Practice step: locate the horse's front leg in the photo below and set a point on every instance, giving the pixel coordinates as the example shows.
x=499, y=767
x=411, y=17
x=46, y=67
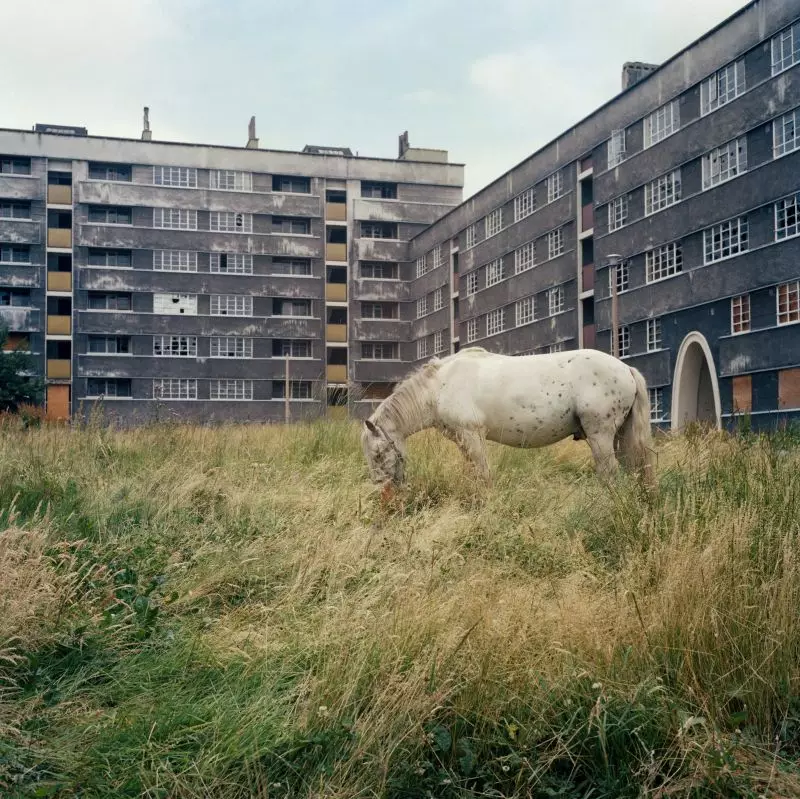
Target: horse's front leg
x=473, y=448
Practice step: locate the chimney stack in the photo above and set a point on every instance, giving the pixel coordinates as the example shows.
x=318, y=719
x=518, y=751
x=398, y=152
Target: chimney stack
x=147, y=134
x=252, y=141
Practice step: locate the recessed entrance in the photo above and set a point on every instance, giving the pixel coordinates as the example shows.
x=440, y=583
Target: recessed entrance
x=695, y=391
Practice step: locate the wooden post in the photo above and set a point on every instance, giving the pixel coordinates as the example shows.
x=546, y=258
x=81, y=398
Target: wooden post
x=286, y=393
x=614, y=261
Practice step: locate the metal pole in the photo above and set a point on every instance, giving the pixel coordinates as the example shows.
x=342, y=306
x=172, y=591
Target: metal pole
x=614, y=261
x=286, y=410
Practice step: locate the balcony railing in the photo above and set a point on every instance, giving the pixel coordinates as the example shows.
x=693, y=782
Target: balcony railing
x=59, y=368
x=59, y=281
x=59, y=195
x=336, y=373
x=336, y=212
x=336, y=292
x=336, y=333
x=335, y=252
x=59, y=237
x=59, y=325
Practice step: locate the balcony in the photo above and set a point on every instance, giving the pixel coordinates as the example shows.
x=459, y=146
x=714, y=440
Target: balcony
x=336, y=373
x=59, y=237
x=59, y=195
x=335, y=252
x=59, y=325
x=59, y=281
x=336, y=292
x=59, y=369
x=20, y=319
x=336, y=212
x=587, y=277
x=336, y=333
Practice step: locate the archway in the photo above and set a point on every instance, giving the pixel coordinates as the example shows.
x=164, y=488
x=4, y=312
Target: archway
x=695, y=390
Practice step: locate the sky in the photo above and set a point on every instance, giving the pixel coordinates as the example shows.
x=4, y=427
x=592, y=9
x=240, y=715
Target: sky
x=488, y=81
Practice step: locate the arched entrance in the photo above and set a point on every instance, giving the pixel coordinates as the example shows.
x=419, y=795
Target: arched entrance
x=695, y=390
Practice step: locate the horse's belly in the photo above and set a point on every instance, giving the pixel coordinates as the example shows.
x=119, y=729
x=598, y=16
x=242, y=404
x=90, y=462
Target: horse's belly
x=525, y=430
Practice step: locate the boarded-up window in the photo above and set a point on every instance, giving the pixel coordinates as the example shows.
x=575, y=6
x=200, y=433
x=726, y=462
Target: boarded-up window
x=789, y=388
x=742, y=394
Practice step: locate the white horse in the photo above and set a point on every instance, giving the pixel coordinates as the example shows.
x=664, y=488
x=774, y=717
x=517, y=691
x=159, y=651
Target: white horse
x=527, y=401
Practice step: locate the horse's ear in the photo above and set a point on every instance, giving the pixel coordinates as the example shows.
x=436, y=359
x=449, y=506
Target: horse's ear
x=371, y=427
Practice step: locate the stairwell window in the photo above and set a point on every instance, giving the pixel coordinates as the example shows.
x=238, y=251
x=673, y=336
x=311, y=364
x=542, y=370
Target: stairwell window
x=661, y=123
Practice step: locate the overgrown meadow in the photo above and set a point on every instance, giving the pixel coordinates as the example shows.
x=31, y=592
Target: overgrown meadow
x=231, y=612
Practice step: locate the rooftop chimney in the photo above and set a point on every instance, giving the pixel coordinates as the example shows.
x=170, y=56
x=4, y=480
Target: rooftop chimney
x=634, y=71
x=147, y=134
x=252, y=141
x=403, y=144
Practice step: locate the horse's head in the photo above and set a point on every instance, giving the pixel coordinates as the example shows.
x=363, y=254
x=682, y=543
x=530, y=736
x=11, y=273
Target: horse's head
x=385, y=457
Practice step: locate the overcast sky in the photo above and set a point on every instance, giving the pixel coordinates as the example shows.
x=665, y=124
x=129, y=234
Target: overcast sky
x=488, y=81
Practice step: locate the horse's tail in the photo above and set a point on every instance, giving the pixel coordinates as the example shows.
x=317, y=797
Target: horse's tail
x=635, y=437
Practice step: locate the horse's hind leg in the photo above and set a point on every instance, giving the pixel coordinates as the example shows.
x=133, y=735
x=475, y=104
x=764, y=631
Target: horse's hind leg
x=601, y=444
x=473, y=449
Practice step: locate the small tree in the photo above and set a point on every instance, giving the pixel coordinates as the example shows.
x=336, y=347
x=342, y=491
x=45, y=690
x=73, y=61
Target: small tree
x=16, y=388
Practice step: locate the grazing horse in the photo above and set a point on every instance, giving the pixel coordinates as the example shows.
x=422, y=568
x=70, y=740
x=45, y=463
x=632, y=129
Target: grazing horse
x=521, y=401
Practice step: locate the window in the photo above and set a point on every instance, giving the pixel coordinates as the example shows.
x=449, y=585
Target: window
x=555, y=186
x=175, y=304
x=98, y=257
x=231, y=222
x=291, y=308
x=557, y=347
x=175, y=346
x=616, y=148
x=15, y=210
x=291, y=348
x=298, y=389
x=725, y=240
x=231, y=305
x=472, y=330
x=524, y=204
x=623, y=341
x=118, y=172
x=231, y=347
x=725, y=162
x=379, y=350
x=15, y=166
x=109, y=345
x=661, y=123
x=787, y=221
x=555, y=243
x=436, y=257
x=380, y=310
x=378, y=191
x=175, y=218
x=378, y=230
x=231, y=263
x=19, y=299
x=174, y=261
x=438, y=299
x=786, y=48
x=789, y=303
x=623, y=276
x=555, y=300
x=291, y=266
x=494, y=222
x=109, y=301
x=173, y=388
x=380, y=271
x=472, y=283
x=524, y=311
x=662, y=192
x=786, y=133
x=656, y=398
x=524, y=258
x=663, y=261
x=180, y=176
x=108, y=387
x=722, y=87
x=231, y=390
x=494, y=272
x=109, y=215
x=422, y=307
x=653, y=335
x=740, y=314
x=495, y=322
x=438, y=342
x=229, y=180
x=293, y=185
x=421, y=266
x=422, y=347
x=472, y=236
x=15, y=254
x=617, y=213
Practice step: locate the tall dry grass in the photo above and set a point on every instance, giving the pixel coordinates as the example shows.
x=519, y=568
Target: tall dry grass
x=198, y=612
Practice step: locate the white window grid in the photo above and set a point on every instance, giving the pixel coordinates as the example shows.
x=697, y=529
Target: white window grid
x=616, y=148
x=175, y=388
x=524, y=204
x=422, y=347
x=785, y=48
x=181, y=176
x=725, y=162
x=231, y=389
x=291, y=266
x=438, y=300
x=472, y=330
x=725, y=240
x=438, y=342
x=472, y=283
x=472, y=236
x=422, y=307
x=494, y=272
x=623, y=272
x=663, y=261
x=231, y=347
x=175, y=346
x=740, y=314
x=231, y=305
x=654, y=339
x=787, y=217
x=555, y=186
x=230, y=180
x=421, y=266
x=661, y=123
x=230, y=222
x=786, y=133
x=662, y=192
x=723, y=86
x=656, y=398
x=294, y=308
x=436, y=256
x=495, y=322
x=175, y=304
x=372, y=310
x=617, y=212
x=231, y=263
x=175, y=218
x=379, y=350
x=174, y=261
x=788, y=296
x=524, y=311
x=555, y=300
x=295, y=348
x=623, y=341
x=494, y=222
x=557, y=347
x=524, y=258
x=555, y=243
